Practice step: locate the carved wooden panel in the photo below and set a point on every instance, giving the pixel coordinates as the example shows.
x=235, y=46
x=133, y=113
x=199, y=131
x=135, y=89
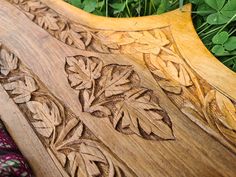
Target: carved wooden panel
x=110, y=101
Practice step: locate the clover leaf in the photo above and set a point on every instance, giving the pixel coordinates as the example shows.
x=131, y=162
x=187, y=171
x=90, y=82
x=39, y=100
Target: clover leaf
x=218, y=50
x=215, y=4
x=230, y=44
x=220, y=38
x=223, y=12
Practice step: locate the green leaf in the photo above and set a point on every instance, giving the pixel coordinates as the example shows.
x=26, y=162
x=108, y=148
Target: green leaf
x=217, y=19
x=204, y=9
x=197, y=2
x=90, y=5
x=162, y=7
x=77, y=3
x=218, y=50
x=119, y=7
x=220, y=38
x=230, y=44
x=229, y=10
x=215, y=4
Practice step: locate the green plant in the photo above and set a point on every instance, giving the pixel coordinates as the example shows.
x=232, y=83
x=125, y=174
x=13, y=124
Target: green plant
x=214, y=20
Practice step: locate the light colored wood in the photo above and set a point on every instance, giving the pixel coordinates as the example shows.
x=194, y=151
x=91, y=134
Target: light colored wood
x=109, y=99
x=27, y=141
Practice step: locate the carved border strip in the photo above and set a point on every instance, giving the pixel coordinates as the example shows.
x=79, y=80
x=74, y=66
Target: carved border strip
x=196, y=98
x=69, y=142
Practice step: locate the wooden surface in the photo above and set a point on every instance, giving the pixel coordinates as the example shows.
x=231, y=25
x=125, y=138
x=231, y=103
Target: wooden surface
x=95, y=96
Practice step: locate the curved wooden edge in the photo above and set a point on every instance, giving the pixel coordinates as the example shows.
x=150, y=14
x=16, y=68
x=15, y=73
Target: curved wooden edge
x=106, y=23
x=201, y=60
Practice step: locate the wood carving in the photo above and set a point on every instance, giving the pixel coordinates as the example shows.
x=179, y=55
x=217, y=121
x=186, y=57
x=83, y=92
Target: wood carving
x=115, y=91
x=157, y=48
x=118, y=97
x=66, y=138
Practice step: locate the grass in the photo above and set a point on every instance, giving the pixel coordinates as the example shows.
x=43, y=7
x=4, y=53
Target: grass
x=214, y=20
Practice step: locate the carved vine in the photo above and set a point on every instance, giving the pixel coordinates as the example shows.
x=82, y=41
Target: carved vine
x=63, y=29
x=66, y=138
x=115, y=91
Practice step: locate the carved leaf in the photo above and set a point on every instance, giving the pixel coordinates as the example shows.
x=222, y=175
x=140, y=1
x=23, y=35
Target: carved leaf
x=117, y=82
x=83, y=72
x=8, y=62
x=92, y=155
x=46, y=116
x=180, y=76
x=61, y=157
x=114, y=171
x=184, y=78
x=228, y=110
x=75, y=37
x=88, y=107
x=35, y=5
x=22, y=89
x=48, y=21
x=18, y=1
x=86, y=160
x=170, y=86
x=149, y=43
x=76, y=164
x=138, y=112
x=110, y=38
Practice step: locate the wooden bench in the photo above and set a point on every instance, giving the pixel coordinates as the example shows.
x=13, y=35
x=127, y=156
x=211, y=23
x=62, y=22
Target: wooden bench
x=84, y=95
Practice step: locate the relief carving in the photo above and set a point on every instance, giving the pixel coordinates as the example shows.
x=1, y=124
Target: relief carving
x=193, y=95
x=115, y=91
x=70, y=143
x=197, y=99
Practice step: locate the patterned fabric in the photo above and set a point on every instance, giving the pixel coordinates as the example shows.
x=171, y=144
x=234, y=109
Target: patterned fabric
x=12, y=163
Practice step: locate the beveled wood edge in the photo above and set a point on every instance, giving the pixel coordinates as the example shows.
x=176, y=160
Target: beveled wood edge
x=26, y=139
x=201, y=60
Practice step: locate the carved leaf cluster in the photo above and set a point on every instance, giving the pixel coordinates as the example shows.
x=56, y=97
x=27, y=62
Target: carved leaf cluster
x=171, y=71
x=176, y=77
x=108, y=91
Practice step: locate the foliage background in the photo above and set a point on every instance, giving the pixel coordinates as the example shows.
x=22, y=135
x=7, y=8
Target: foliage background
x=214, y=20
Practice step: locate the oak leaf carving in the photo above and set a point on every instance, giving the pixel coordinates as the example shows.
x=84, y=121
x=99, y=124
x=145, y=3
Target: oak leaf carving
x=48, y=21
x=46, y=116
x=139, y=113
x=83, y=71
x=8, y=62
x=21, y=89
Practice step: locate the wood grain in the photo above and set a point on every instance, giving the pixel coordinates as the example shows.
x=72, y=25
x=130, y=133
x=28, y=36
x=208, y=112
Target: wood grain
x=114, y=102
